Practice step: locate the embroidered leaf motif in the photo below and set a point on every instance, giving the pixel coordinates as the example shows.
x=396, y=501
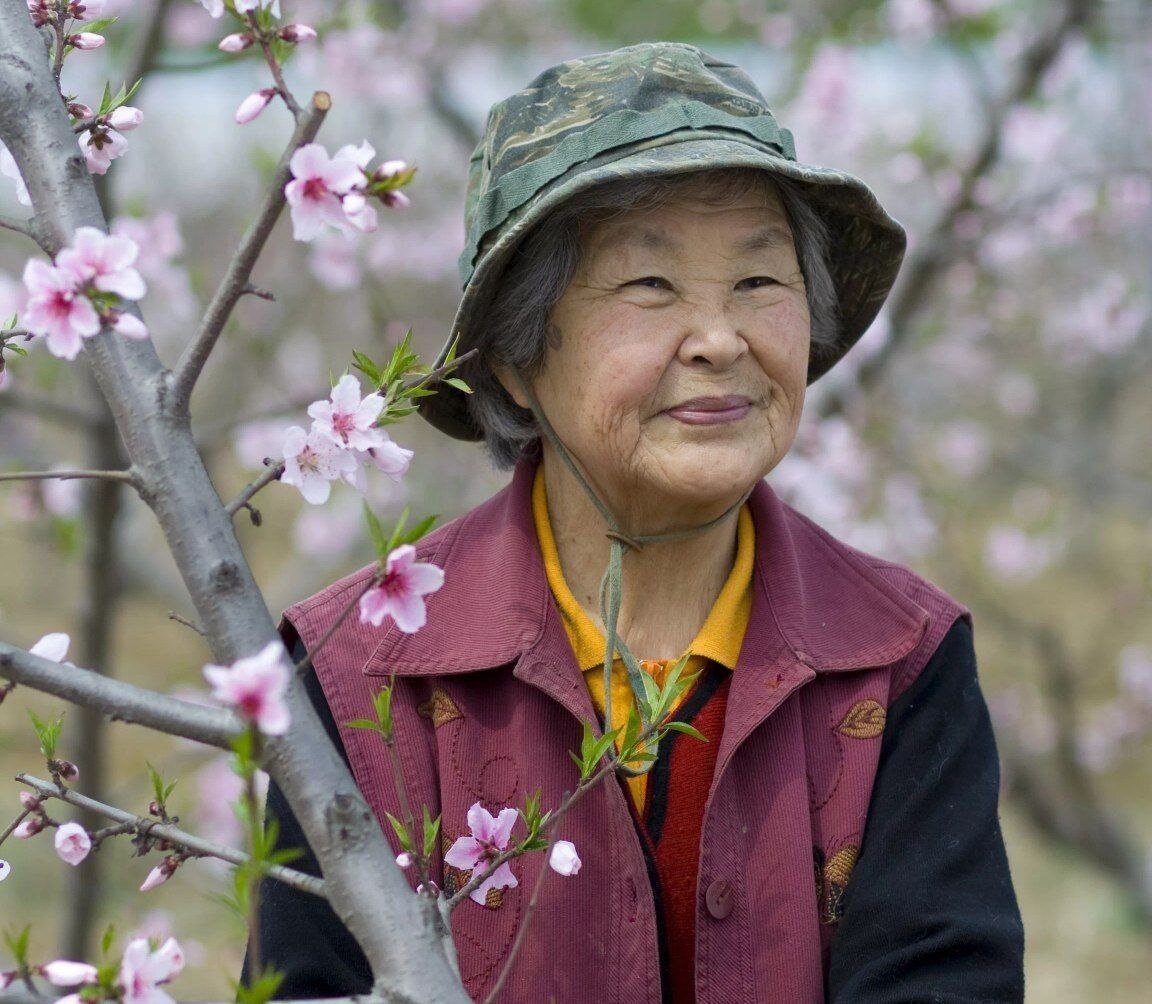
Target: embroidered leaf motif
x=493, y=898
x=454, y=878
x=440, y=708
x=865, y=720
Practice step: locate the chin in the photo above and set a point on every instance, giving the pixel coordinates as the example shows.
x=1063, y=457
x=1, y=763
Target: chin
x=711, y=482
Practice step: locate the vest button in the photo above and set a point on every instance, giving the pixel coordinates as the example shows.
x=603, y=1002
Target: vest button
x=720, y=899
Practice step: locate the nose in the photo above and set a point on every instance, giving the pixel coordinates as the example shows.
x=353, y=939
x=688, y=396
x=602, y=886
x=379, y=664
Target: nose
x=712, y=339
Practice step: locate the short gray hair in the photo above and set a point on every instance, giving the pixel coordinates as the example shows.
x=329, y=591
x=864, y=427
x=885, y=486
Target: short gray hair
x=515, y=331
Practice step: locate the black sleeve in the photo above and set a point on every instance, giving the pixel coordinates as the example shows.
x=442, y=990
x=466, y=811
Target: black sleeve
x=929, y=912
x=300, y=935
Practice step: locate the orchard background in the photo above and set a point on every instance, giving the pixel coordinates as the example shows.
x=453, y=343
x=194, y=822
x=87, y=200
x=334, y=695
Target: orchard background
x=991, y=431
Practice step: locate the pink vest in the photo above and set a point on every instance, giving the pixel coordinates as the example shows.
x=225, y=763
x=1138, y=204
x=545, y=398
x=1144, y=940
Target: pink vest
x=489, y=701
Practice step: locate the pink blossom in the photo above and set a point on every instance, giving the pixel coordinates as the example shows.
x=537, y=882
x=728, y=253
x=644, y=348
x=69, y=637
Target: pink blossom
x=564, y=858
x=142, y=971
x=389, y=457
x=5, y=871
x=72, y=843
x=29, y=801
x=254, y=104
x=101, y=146
x=52, y=646
x=238, y=41
x=346, y=419
x=125, y=118
x=9, y=169
x=255, y=685
x=404, y=859
x=28, y=828
x=400, y=594
x=214, y=7
x=312, y=461
x=128, y=325
x=389, y=169
x=103, y=260
x=86, y=10
x=57, y=310
x=475, y=853
x=320, y=183
x=63, y=973
x=159, y=875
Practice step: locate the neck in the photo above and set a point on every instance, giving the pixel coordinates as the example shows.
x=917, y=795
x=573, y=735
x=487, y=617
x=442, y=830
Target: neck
x=668, y=587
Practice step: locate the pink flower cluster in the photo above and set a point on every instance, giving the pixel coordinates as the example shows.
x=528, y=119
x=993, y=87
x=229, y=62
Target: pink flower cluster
x=255, y=686
x=64, y=300
x=400, y=593
x=488, y=839
x=142, y=972
x=329, y=190
x=343, y=436
x=104, y=142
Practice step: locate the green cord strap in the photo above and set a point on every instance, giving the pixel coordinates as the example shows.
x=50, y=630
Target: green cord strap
x=611, y=585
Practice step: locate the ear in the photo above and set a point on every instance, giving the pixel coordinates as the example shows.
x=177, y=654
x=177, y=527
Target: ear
x=509, y=381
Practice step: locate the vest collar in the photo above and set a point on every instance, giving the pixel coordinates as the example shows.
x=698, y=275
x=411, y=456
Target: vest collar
x=824, y=601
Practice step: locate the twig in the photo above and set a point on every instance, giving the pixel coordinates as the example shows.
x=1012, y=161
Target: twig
x=126, y=476
x=121, y=701
x=273, y=65
x=241, y=500
x=305, y=664
x=11, y=827
x=172, y=615
x=236, y=279
x=25, y=227
x=146, y=827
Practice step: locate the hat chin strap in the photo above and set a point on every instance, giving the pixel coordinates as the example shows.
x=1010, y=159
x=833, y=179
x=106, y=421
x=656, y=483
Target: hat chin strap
x=611, y=583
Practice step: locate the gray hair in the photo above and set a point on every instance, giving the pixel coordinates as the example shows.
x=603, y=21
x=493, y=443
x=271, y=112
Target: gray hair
x=516, y=329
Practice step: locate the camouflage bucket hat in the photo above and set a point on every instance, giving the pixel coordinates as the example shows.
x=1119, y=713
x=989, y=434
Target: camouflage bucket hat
x=656, y=108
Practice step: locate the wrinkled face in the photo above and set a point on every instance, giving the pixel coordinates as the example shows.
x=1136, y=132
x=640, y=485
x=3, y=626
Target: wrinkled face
x=681, y=354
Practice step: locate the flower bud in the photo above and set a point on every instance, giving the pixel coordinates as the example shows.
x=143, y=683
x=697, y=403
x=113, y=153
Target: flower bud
x=564, y=860
x=86, y=10
x=160, y=874
x=29, y=828
x=389, y=169
x=128, y=325
x=254, y=104
x=125, y=118
x=238, y=41
x=352, y=202
x=405, y=859
x=63, y=973
x=79, y=110
x=154, y=808
x=297, y=33
x=395, y=200
x=72, y=843
x=86, y=40
x=67, y=770
x=30, y=802
x=39, y=11
x=5, y=871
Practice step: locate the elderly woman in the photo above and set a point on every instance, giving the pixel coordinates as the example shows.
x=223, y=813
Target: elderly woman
x=652, y=279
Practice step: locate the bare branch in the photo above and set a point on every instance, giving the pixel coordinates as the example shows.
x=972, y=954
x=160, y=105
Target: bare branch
x=66, y=475
x=166, y=831
x=122, y=702
x=25, y=227
x=939, y=249
x=172, y=615
x=270, y=475
x=236, y=279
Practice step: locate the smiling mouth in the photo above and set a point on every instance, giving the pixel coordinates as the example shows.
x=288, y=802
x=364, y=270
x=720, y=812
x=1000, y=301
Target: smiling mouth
x=711, y=410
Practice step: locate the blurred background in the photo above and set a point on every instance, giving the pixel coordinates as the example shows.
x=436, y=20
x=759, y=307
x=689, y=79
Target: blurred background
x=991, y=430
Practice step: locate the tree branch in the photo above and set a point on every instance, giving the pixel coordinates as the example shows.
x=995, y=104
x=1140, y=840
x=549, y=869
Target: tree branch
x=18, y=399
x=938, y=249
x=122, y=702
x=274, y=471
x=174, y=835
x=235, y=280
x=66, y=475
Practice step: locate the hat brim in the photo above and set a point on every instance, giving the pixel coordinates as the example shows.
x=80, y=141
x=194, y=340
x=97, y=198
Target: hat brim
x=865, y=256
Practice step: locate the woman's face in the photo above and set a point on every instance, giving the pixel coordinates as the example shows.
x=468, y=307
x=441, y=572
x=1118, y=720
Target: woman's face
x=680, y=361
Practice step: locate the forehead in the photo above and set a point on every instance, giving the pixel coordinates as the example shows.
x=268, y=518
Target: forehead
x=754, y=223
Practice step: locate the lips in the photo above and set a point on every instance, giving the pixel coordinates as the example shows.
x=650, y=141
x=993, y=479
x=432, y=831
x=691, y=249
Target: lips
x=711, y=410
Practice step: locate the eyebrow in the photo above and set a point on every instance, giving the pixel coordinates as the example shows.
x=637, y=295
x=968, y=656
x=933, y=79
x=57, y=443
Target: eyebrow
x=767, y=238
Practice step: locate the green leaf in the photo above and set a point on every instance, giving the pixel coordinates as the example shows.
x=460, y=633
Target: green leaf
x=458, y=384
x=260, y=990
x=363, y=723
x=159, y=790
x=431, y=833
x=421, y=528
x=48, y=733
x=382, y=700
x=366, y=366
x=401, y=832
x=687, y=729
x=105, y=100
x=376, y=532
x=397, y=530
x=18, y=945
x=107, y=938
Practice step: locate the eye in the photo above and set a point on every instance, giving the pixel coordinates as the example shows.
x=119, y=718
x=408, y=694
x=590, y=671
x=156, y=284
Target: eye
x=759, y=280
x=651, y=282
